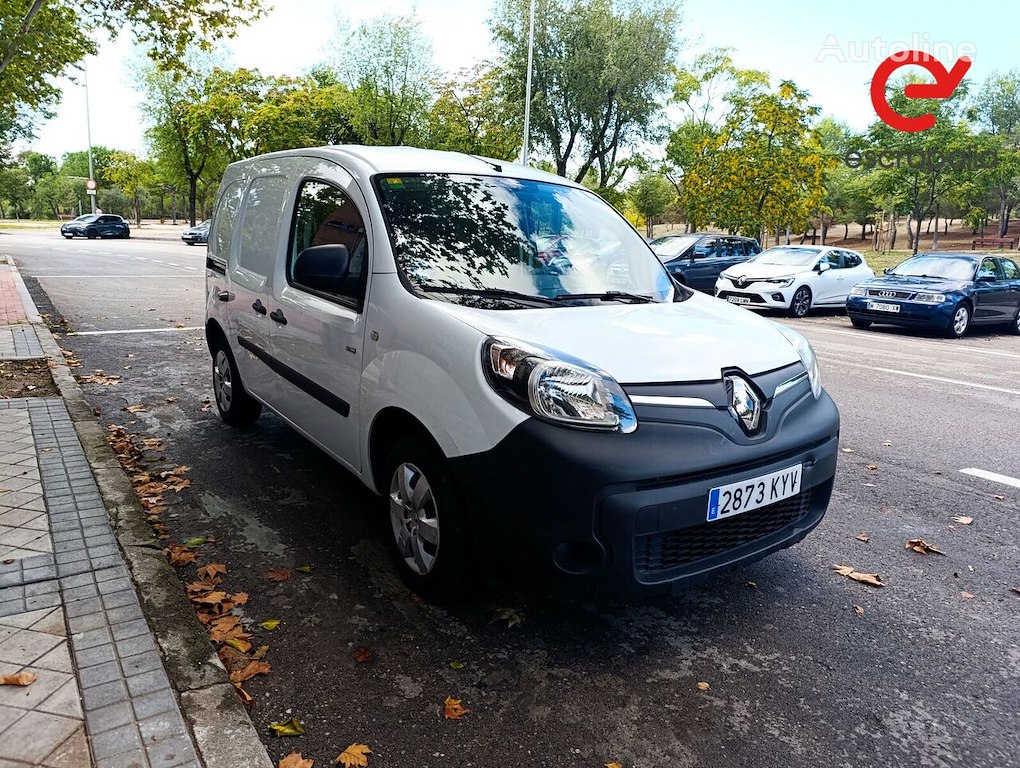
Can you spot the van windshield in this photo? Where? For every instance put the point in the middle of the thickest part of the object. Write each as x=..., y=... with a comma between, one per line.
x=485, y=240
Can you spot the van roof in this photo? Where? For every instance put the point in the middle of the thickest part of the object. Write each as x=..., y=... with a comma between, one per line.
x=372, y=160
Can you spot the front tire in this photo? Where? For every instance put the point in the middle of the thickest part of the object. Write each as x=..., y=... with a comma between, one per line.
x=856, y=322
x=801, y=302
x=426, y=521
x=960, y=322
x=236, y=407
x=91, y=234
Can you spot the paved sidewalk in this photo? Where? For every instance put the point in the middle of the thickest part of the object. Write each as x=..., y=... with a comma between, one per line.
x=69, y=612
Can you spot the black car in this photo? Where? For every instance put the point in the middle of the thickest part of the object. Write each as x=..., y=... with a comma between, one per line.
x=93, y=225
x=945, y=292
x=197, y=234
x=697, y=259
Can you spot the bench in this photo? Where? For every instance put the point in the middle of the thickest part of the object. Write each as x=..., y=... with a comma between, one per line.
x=1008, y=243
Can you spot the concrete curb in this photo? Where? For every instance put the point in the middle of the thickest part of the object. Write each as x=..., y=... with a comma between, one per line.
x=223, y=732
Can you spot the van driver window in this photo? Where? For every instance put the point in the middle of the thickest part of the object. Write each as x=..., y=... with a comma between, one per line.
x=325, y=215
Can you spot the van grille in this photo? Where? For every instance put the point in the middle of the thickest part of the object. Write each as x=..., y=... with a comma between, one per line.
x=665, y=550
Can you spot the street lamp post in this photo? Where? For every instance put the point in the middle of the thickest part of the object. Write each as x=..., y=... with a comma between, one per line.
x=527, y=88
x=88, y=134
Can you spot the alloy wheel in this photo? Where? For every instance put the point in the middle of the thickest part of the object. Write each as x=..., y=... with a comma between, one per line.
x=801, y=302
x=414, y=518
x=961, y=319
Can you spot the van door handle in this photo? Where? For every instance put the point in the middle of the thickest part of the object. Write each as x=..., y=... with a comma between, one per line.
x=258, y=307
x=277, y=315
x=225, y=296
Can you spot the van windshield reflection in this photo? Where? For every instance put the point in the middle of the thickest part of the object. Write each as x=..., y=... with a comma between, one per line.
x=491, y=241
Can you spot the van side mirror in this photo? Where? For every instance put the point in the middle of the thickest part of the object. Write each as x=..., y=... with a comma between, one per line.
x=323, y=267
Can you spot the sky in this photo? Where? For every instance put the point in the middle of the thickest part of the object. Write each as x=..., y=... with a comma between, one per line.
x=829, y=49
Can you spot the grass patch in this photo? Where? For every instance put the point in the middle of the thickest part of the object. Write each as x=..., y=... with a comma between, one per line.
x=26, y=378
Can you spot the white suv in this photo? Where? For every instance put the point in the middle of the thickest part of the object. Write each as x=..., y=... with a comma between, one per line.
x=498, y=352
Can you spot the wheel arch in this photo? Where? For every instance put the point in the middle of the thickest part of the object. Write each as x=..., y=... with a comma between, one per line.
x=388, y=426
x=214, y=333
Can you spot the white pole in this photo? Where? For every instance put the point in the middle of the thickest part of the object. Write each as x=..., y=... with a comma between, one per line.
x=88, y=132
x=527, y=91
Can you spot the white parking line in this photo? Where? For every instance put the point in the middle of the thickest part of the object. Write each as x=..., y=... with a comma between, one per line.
x=134, y=330
x=104, y=277
x=895, y=372
x=940, y=347
x=993, y=476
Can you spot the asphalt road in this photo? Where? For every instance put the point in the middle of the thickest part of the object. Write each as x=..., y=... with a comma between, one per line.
x=928, y=675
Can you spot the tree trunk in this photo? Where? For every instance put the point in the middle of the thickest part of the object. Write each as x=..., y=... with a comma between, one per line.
x=825, y=229
x=787, y=234
x=648, y=228
x=864, y=232
x=928, y=230
x=935, y=237
x=846, y=230
x=894, y=222
x=803, y=237
x=192, y=197
x=1003, y=214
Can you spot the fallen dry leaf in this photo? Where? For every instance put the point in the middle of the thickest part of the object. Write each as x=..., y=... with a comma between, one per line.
x=294, y=760
x=355, y=756
x=245, y=697
x=260, y=653
x=613, y=764
x=751, y=585
x=239, y=598
x=134, y=408
x=967, y=595
x=923, y=547
x=963, y=519
x=847, y=450
x=237, y=644
x=178, y=555
x=871, y=579
x=287, y=728
x=872, y=467
x=361, y=655
x=304, y=568
x=212, y=572
x=997, y=497
x=1015, y=589
x=20, y=679
x=279, y=573
x=249, y=671
x=863, y=537
x=703, y=686
x=858, y=610
x=456, y=665
x=511, y=616
x=213, y=598
x=171, y=399
x=452, y=709
x=269, y=624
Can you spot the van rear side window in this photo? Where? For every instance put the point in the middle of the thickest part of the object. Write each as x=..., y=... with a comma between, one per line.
x=263, y=209
x=226, y=212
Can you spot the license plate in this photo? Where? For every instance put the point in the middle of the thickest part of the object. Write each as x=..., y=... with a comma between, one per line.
x=883, y=307
x=735, y=498
x=738, y=300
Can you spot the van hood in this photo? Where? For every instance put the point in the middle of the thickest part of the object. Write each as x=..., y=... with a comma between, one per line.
x=692, y=340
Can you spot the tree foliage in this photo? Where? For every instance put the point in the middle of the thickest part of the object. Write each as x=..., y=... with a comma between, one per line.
x=651, y=195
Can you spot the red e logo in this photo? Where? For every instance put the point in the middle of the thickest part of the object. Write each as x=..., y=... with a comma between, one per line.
x=945, y=83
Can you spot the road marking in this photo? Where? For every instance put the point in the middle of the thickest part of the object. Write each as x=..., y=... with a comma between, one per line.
x=193, y=269
x=134, y=330
x=939, y=347
x=922, y=376
x=994, y=477
x=117, y=277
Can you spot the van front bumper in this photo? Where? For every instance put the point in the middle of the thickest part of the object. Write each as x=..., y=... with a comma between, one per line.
x=597, y=515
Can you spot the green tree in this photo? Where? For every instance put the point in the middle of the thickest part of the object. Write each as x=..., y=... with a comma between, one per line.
x=15, y=191
x=470, y=115
x=996, y=108
x=386, y=62
x=600, y=70
x=651, y=195
x=133, y=176
x=42, y=39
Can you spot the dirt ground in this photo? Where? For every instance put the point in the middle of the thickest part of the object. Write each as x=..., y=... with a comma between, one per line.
x=26, y=378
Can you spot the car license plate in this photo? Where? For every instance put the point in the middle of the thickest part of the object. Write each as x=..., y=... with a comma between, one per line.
x=883, y=307
x=738, y=300
x=735, y=498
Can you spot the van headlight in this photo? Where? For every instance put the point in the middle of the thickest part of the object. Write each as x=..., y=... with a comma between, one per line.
x=556, y=387
x=807, y=357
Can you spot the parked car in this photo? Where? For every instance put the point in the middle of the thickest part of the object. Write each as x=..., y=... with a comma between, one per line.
x=93, y=225
x=697, y=259
x=946, y=292
x=794, y=278
x=197, y=234
x=454, y=331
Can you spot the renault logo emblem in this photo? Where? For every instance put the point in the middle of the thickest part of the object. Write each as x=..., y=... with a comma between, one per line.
x=745, y=402
x=741, y=282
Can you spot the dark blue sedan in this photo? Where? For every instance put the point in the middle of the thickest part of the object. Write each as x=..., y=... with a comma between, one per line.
x=943, y=291
x=697, y=259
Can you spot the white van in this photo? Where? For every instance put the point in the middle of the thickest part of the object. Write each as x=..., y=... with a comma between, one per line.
x=500, y=354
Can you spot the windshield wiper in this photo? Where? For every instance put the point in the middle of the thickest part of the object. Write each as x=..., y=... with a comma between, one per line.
x=637, y=298
x=488, y=293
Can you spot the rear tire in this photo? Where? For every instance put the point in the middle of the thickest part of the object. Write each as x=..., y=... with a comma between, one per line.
x=858, y=323
x=960, y=321
x=1015, y=328
x=91, y=234
x=800, y=304
x=427, y=525
x=236, y=407
x=69, y=237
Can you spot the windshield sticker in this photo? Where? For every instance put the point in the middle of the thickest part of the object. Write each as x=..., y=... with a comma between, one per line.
x=395, y=182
